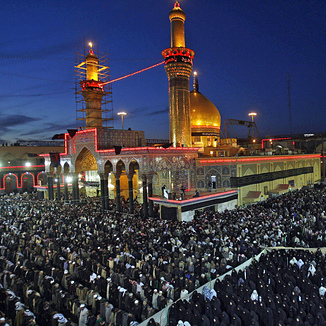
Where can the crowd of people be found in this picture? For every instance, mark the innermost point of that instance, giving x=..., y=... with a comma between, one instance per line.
x=274, y=291
x=64, y=264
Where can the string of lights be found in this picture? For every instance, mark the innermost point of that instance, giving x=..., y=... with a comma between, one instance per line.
x=62, y=81
x=132, y=74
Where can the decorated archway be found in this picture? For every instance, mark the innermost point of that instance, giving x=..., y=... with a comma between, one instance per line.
x=27, y=182
x=86, y=168
x=11, y=183
x=42, y=179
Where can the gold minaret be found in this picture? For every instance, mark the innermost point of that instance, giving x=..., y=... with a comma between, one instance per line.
x=178, y=67
x=92, y=90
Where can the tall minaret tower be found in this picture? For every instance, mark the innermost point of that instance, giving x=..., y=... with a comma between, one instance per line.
x=178, y=67
x=92, y=90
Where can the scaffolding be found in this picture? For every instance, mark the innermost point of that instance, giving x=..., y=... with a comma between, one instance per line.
x=103, y=77
x=230, y=133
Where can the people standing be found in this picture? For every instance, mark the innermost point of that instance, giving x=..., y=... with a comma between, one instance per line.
x=83, y=315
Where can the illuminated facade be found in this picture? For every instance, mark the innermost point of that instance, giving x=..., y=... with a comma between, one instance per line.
x=178, y=67
x=119, y=165
x=122, y=172
x=116, y=163
x=258, y=177
x=21, y=167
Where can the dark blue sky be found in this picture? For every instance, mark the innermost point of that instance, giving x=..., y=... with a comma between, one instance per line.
x=244, y=50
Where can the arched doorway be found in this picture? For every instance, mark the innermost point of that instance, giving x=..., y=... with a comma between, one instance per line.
x=42, y=179
x=11, y=183
x=108, y=168
x=134, y=175
x=67, y=182
x=121, y=170
x=66, y=168
x=27, y=182
x=86, y=167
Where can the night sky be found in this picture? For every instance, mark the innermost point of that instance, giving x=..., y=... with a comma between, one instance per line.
x=244, y=50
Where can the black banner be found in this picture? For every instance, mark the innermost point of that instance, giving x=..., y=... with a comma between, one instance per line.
x=215, y=134
x=237, y=182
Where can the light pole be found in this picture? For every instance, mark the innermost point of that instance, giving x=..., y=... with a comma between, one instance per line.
x=122, y=114
x=252, y=115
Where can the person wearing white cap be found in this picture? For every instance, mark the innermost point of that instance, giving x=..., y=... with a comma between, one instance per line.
x=161, y=302
x=64, y=280
x=108, y=287
x=83, y=315
x=154, y=300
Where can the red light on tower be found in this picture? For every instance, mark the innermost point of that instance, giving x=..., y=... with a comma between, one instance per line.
x=178, y=67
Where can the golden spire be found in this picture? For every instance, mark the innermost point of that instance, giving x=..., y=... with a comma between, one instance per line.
x=194, y=80
x=91, y=64
x=177, y=18
x=91, y=48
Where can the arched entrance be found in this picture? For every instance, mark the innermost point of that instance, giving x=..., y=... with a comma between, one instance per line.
x=134, y=173
x=67, y=180
x=108, y=168
x=27, y=182
x=42, y=179
x=11, y=183
x=86, y=167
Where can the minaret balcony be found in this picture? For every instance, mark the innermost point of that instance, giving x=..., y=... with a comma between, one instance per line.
x=91, y=85
x=183, y=55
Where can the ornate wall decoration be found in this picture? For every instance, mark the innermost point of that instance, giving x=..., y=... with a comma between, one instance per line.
x=163, y=164
x=200, y=171
x=226, y=183
x=225, y=170
x=85, y=161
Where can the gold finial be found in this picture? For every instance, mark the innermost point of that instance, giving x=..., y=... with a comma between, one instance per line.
x=194, y=83
x=91, y=48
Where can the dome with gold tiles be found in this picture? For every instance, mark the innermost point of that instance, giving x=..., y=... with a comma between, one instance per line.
x=204, y=114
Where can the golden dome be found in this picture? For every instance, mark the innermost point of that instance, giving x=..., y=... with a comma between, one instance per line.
x=203, y=113
x=177, y=12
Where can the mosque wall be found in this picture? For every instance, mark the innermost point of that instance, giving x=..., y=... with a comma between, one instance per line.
x=219, y=176
x=276, y=176
x=227, y=205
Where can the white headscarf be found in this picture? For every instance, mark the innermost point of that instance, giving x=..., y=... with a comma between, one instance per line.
x=312, y=269
x=254, y=295
x=300, y=263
